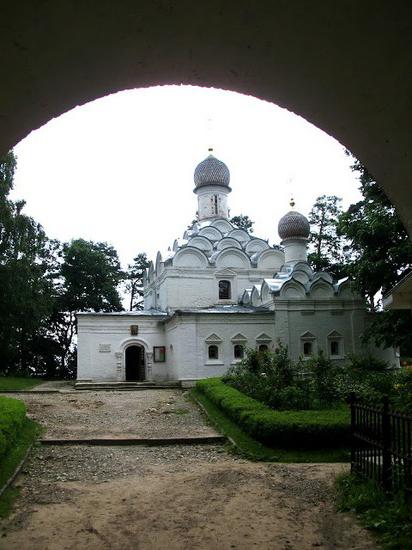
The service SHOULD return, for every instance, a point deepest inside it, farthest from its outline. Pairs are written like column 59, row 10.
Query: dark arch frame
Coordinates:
column 360, row 92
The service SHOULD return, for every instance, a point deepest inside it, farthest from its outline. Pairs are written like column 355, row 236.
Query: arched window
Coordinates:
column 238, row 351
column 213, row 352
column 262, row 348
column 307, row 348
column 224, row 290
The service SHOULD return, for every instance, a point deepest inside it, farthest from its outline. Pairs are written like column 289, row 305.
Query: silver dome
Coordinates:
column 293, row 225
column 211, row 171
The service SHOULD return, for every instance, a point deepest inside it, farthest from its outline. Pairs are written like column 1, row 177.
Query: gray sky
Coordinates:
column 120, row 169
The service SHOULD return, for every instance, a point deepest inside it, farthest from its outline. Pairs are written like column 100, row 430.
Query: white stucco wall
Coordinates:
column 103, row 338
column 180, row 288
column 191, row 334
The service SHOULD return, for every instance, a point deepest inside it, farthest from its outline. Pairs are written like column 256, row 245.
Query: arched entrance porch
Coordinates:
column 134, row 363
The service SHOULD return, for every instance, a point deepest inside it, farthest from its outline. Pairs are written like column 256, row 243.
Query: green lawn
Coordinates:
column 30, row 431
column 18, row 382
column 254, row 450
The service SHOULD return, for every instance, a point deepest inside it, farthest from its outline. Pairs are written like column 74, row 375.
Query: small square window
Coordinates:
column 262, row 348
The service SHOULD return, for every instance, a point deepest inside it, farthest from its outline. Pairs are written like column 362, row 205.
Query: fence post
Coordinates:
column 386, row 446
column 352, row 403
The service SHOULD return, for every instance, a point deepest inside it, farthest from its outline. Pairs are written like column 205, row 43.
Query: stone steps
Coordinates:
column 111, row 440
column 126, row 386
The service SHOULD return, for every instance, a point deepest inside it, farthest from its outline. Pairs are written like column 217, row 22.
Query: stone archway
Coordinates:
column 344, row 68
column 134, row 363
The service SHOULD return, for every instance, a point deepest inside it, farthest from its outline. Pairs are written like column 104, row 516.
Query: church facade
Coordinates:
column 218, row 291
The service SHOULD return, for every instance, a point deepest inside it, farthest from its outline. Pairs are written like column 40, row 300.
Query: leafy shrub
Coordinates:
column 276, row 381
column 368, row 364
column 366, row 377
column 401, row 395
column 288, row 429
column 324, row 380
column 12, row 417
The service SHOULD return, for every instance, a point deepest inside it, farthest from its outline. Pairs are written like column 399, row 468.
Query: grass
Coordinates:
column 18, row 382
column 389, row 518
column 254, row 450
column 180, row 411
column 29, row 432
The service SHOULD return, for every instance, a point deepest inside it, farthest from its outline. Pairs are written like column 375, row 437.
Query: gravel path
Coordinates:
column 180, row 497
column 148, row 413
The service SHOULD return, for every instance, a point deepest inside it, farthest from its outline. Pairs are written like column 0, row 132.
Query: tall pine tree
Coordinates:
column 326, row 247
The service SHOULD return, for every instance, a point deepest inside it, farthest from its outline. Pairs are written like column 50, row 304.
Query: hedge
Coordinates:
column 12, row 418
column 288, row 429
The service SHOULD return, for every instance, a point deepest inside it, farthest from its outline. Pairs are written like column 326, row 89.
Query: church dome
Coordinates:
column 293, row 225
column 211, row 171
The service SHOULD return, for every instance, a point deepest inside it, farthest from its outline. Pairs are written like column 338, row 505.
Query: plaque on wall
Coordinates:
column 104, row 348
column 134, row 330
column 159, row 354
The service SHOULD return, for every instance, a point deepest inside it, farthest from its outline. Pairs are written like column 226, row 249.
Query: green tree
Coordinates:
column 381, row 251
column 89, row 277
column 326, row 248
column 27, row 270
column 381, row 254
column 134, row 281
column 243, row 222
column 391, row 328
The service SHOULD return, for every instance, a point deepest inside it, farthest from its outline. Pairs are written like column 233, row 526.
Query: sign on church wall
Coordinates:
column 159, row 354
column 134, row 330
column 104, row 348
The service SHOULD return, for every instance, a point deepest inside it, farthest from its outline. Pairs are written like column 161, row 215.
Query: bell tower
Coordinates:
column 294, row 231
column 212, row 178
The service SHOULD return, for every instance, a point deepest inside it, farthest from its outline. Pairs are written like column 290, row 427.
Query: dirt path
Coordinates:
column 179, row 497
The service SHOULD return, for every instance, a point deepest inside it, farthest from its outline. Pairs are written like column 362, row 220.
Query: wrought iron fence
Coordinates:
column 381, row 447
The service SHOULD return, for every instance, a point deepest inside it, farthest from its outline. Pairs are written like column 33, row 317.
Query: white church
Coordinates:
column 218, row 291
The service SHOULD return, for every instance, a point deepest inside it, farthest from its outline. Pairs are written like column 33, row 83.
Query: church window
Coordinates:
column 263, row 347
column 215, row 203
column 334, row 347
column 238, row 351
column 213, row 352
column 307, row 345
column 307, row 348
column 224, row 290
